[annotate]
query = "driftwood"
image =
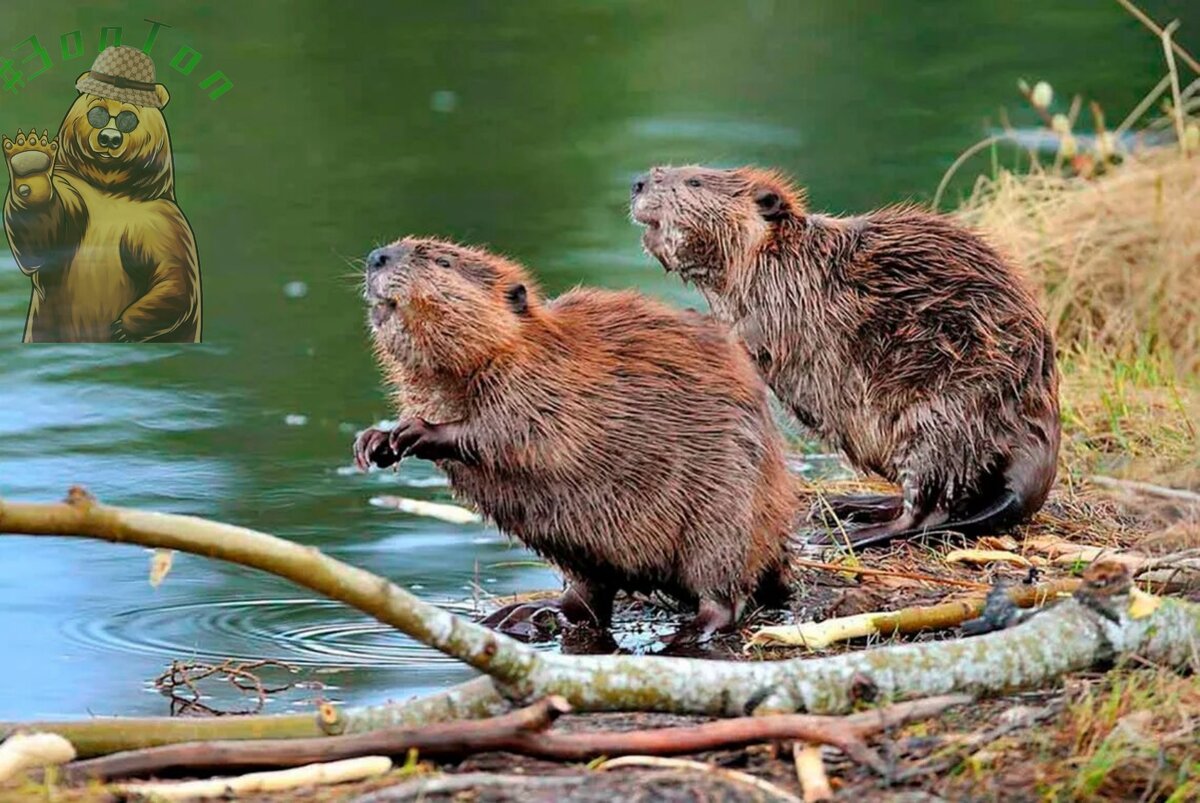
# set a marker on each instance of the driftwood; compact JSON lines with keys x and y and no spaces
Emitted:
{"x":522,"y":731}
{"x":1091,"y":629}
{"x":354,"y":769}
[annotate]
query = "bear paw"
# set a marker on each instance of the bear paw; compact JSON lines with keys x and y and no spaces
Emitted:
{"x":30,"y":164}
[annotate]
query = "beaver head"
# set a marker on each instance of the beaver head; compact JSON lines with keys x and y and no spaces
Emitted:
{"x":706,"y":223}
{"x":445,"y":308}
{"x":119,"y":146}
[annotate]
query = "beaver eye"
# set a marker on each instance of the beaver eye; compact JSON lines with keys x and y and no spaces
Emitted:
{"x":693,"y":182}
{"x":98,"y":117}
{"x":445,"y":263}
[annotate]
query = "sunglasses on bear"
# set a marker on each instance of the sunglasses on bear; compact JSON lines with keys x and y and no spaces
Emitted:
{"x":99,"y":117}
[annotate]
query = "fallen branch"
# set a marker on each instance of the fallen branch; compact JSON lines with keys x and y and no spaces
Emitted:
{"x":355,"y":769}
{"x":1157,"y":30}
{"x":819,"y":635}
{"x":474,"y":699}
{"x":1074,"y":635}
{"x":523,"y":731}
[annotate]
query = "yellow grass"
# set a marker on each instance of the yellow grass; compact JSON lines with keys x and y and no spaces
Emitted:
{"x":1117,"y":257}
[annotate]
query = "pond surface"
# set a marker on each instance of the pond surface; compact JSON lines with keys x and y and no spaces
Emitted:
{"x":518,"y":125}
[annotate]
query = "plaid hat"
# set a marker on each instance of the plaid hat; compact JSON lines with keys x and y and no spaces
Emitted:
{"x":122,"y":73}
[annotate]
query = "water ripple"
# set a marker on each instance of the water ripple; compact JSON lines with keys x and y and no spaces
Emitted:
{"x":299,"y":631}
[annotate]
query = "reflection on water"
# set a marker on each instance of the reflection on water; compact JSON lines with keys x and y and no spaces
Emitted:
{"x":517,"y":125}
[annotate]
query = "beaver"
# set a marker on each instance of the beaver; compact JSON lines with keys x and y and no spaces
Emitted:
{"x":629,"y":443}
{"x":898,"y":336}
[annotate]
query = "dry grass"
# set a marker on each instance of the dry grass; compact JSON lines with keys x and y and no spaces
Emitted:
{"x":1108,"y":231}
{"x":1117,"y":256}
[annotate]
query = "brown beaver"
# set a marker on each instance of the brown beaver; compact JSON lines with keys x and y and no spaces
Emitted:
{"x":629,"y":443}
{"x":897,"y":336}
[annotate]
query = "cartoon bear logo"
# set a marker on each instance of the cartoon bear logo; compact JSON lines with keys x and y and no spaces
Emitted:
{"x":91,"y":216}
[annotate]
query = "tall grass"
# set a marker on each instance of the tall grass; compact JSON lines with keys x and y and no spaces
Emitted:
{"x":1116,"y":256}
{"x":1108,"y":230}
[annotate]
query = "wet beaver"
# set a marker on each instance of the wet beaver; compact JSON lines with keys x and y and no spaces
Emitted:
{"x":629,"y":443}
{"x":898,"y":337}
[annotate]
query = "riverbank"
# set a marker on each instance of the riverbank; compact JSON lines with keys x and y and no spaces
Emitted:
{"x":1115,"y":252}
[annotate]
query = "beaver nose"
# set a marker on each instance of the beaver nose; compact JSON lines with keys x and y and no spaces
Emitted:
{"x":639,"y":183}
{"x":377,"y":259}
{"x":110,"y":138}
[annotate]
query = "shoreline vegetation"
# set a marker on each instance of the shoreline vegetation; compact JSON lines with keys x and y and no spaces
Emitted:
{"x":1106,"y":223}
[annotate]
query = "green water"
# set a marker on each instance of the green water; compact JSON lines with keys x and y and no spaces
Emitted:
{"x":513,"y":124}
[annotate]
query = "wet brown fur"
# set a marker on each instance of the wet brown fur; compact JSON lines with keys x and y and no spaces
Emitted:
{"x":628,"y":442}
{"x":897,"y":336}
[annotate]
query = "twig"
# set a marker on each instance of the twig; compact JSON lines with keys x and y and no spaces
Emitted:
{"x":1142,"y":106}
{"x":1177,"y":101}
{"x":451,"y":738}
{"x":961,"y":160}
{"x":1149,"y":23}
{"x":1146,"y":489}
{"x":810,"y":772}
{"x":698,"y":766}
{"x":355,"y":769}
{"x":523,"y":731}
{"x":240,"y":675}
{"x":927,"y":578}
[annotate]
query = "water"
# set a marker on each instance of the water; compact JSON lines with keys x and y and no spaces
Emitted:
{"x":517,"y":125}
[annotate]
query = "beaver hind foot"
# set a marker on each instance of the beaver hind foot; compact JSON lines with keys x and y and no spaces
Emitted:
{"x":1005,"y":510}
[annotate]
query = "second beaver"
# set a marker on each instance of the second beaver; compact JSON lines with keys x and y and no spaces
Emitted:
{"x":629,"y":443}
{"x":898,"y":337}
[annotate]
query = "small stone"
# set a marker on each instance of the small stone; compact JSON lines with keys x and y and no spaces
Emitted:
{"x":295,"y":289}
{"x":295,"y":420}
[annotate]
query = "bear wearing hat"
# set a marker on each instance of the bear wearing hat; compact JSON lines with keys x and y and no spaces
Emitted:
{"x":92,"y":220}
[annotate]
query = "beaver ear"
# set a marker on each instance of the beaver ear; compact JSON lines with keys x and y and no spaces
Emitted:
{"x":518,"y":299}
{"x":771,"y":205}
{"x":163,"y":95}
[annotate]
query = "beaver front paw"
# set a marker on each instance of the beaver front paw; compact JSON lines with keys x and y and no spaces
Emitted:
{"x":30,"y":166}
{"x":372,"y":448}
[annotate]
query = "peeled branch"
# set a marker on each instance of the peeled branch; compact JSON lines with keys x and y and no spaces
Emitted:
{"x":26,"y":751}
{"x":819,"y":635}
{"x":354,"y":769}
{"x":810,"y":772}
